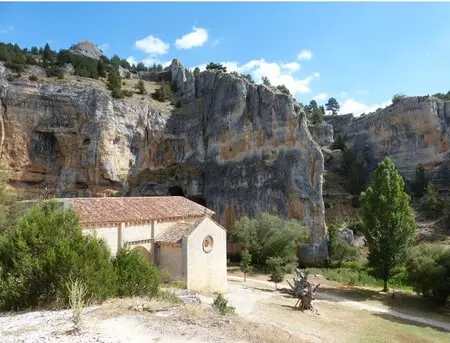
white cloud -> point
(274, 71)
(356, 107)
(193, 39)
(292, 66)
(103, 46)
(152, 45)
(321, 97)
(304, 55)
(6, 29)
(148, 62)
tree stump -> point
(303, 290)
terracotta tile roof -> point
(176, 232)
(132, 209)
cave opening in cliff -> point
(176, 191)
(198, 199)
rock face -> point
(237, 147)
(87, 49)
(413, 131)
(322, 133)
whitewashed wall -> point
(207, 271)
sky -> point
(360, 53)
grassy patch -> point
(359, 276)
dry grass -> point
(235, 327)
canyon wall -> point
(237, 147)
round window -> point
(208, 244)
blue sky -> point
(360, 53)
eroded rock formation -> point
(412, 131)
(236, 146)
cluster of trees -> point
(269, 242)
(389, 227)
(166, 92)
(43, 250)
(314, 113)
(442, 96)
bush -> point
(216, 66)
(338, 143)
(428, 271)
(135, 275)
(221, 305)
(54, 71)
(269, 236)
(141, 87)
(44, 251)
(163, 93)
(340, 250)
(127, 93)
(179, 284)
(433, 203)
(117, 93)
(278, 268)
(165, 276)
(33, 78)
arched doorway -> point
(143, 252)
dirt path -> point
(358, 305)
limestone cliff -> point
(237, 146)
(412, 131)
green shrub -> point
(428, 271)
(278, 268)
(165, 276)
(269, 236)
(135, 275)
(340, 250)
(168, 296)
(433, 203)
(33, 78)
(220, 304)
(163, 93)
(117, 93)
(54, 71)
(127, 93)
(179, 284)
(216, 66)
(338, 143)
(44, 252)
(141, 87)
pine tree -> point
(266, 81)
(276, 269)
(332, 105)
(388, 220)
(114, 79)
(420, 184)
(141, 87)
(246, 260)
(47, 55)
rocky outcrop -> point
(236, 146)
(412, 131)
(87, 49)
(322, 133)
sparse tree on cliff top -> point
(388, 220)
(266, 81)
(216, 66)
(332, 105)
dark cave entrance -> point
(178, 191)
(198, 199)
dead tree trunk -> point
(303, 290)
